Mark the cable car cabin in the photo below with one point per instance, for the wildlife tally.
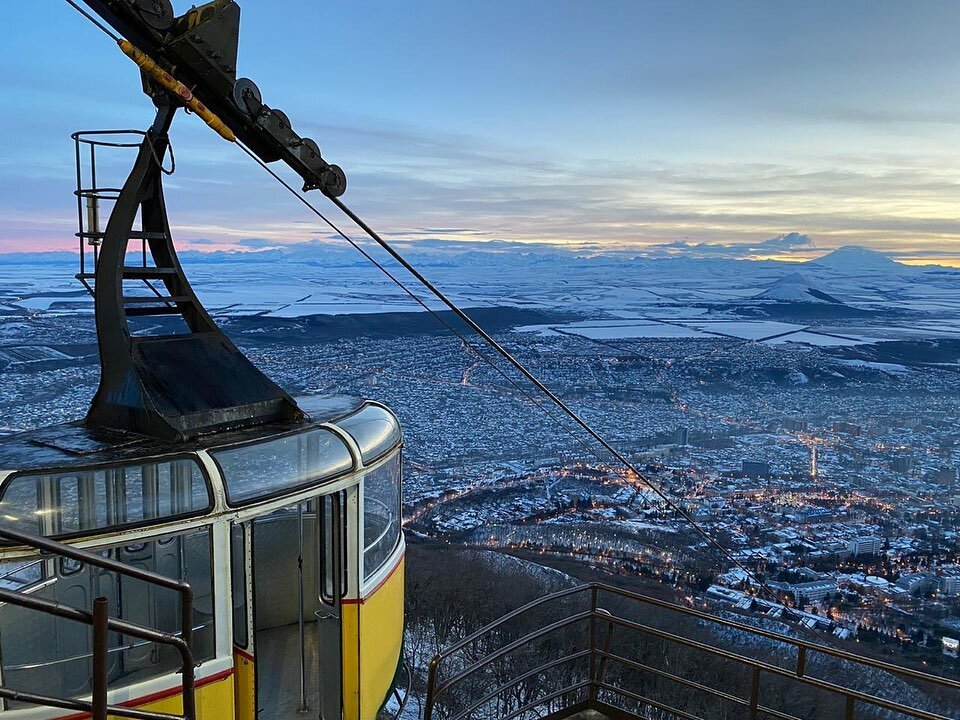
(289, 535)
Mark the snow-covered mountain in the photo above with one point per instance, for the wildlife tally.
(852, 259)
(797, 287)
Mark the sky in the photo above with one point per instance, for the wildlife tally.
(687, 127)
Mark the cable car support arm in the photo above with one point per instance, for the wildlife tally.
(194, 56)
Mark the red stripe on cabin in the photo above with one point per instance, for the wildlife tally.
(161, 695)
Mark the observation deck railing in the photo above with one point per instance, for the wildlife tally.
(101, 623)
(622, 654)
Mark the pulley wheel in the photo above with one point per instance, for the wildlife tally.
(282, 117)
(334, 181)
(158, 14)
(246, 96)
(311, 145)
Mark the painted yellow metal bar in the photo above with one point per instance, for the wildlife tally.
(149, 66)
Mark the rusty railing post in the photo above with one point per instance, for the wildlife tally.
(607, 642)
(431, 687)
(593, 646)
(851, 707)
(186, 634)
(755, 695)
(101, 614)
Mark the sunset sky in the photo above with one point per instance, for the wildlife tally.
(603, 124)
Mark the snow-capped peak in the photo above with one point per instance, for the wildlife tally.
(856, 259)
(797, 287)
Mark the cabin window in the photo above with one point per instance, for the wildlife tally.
(238, 579)
(332, 534)
(21, 574)
(375, 430)
(19, 507)
(93, 500)
(264, 469)
(381, 514)
(49, 655)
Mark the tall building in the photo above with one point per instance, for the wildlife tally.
(916, 583)
(755, 468)
(947, 475)
(902, 464)
(813, 591)
(681, 435)
(865, 545)
(949, 585)
(847, 428)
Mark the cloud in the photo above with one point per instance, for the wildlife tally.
(782, 245)
(255, 243)
(789, 242)
(415, 184)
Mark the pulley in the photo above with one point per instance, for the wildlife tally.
(158, 14)
(246, 96)
(309, 150)
(334, 181)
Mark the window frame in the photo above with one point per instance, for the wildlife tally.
(241, 584)
(291, 490)
(76, 470)
(396, 456)
(325, 597)
(216, 588)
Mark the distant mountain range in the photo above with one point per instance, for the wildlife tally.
(848, 260)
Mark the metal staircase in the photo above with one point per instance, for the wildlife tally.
(597, 652)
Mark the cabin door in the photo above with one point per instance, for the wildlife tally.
(331, 588)
(296, 621)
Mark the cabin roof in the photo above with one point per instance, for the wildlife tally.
(70, 444)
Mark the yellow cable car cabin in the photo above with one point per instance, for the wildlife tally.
(289, 535)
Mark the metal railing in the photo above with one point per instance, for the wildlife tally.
(101, 623)
(576, 672)
(400, 693)
(95, 203)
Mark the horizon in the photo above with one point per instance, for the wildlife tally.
(696, 129)
(450, 248)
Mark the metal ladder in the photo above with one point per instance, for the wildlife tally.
(94, 202)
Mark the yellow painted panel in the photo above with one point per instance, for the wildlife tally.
(350, 634)
(244, 688)
(214, 701)
(381, 641)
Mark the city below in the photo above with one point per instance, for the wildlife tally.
(815, 442)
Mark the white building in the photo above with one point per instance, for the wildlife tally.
(813, 591)
(951, 647)
(865, 545)
(950, 584)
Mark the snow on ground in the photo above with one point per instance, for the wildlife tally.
(893, 368)
(812, 338)
(639, 330)
(638, 297)
(747, 330)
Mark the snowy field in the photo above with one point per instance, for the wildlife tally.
(620, 298)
